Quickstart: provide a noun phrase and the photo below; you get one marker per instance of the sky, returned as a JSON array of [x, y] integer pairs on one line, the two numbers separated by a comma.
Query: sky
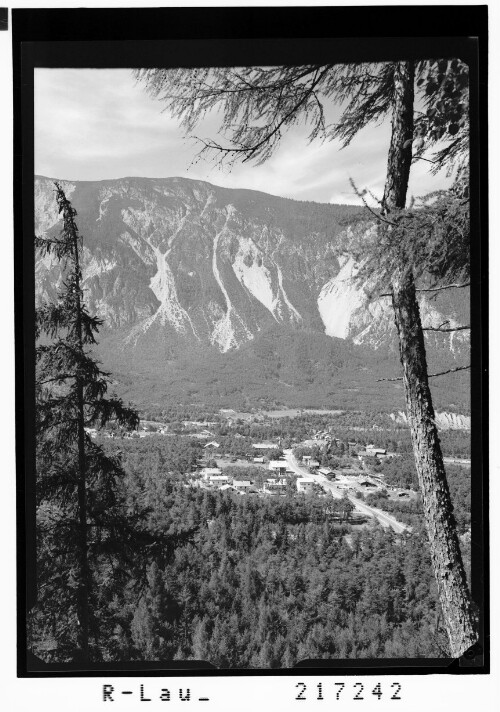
[[95, 124]]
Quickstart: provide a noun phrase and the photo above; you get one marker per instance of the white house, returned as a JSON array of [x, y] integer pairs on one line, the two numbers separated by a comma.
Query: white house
[[325, 471], [242, 485], [376, 450], [212, 443], [305, 484], [313, 464], [274, 486], [264, 446], [218, 480], [207, 472], [279, 466], [258, 459]]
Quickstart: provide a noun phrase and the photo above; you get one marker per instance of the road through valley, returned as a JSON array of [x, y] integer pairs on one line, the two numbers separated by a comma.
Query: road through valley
[[386, 520]]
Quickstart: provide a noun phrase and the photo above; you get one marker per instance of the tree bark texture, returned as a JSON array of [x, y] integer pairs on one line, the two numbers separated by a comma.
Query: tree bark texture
[[438, 509]]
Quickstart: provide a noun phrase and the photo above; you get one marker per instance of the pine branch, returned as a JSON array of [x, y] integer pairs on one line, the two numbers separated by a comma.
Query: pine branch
[[248, 86], [252, 150]]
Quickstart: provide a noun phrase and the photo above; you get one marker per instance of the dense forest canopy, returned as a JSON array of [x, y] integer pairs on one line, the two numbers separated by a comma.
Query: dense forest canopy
[[230, 593]]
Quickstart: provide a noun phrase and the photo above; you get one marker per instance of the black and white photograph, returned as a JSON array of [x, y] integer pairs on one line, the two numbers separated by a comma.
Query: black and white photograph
[[256, 365]]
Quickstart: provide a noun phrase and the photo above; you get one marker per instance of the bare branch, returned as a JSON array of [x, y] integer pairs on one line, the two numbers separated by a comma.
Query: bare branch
[[451, 370], [421, 158], [374, 197], [433, 289], [362, 198], [438, 328], [431, 375], [446, 286]]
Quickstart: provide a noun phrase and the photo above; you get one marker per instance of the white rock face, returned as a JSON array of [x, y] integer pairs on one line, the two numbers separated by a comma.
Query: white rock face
[[162, 284], [249, 268], [163, 287], [340, 300], [444, 421], [263, 279], [224, 333], [294, 314], [347, 312]]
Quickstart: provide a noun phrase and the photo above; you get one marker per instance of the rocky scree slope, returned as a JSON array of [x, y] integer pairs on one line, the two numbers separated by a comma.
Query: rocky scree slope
[[204, 265]]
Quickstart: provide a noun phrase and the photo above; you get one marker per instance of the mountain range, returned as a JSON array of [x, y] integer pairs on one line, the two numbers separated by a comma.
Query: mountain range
[[236, 297]]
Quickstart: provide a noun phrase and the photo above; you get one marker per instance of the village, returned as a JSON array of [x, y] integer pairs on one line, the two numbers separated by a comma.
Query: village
[[303, 472], [300, 474], [273, 468]]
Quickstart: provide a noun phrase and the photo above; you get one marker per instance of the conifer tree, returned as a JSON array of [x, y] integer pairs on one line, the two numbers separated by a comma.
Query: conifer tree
[[81, 520]]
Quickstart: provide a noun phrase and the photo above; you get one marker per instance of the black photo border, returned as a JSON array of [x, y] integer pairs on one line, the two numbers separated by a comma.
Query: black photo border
[[227, 36]]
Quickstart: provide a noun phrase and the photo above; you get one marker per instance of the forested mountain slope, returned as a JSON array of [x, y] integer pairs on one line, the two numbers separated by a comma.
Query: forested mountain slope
[[198, 284]]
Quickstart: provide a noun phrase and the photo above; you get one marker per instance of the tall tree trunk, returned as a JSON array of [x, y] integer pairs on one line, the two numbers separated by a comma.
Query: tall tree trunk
[[438, 510], [82, 545]]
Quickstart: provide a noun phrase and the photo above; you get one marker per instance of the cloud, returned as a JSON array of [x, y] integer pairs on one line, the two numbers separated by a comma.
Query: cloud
[[91, 118], [92, 124]]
